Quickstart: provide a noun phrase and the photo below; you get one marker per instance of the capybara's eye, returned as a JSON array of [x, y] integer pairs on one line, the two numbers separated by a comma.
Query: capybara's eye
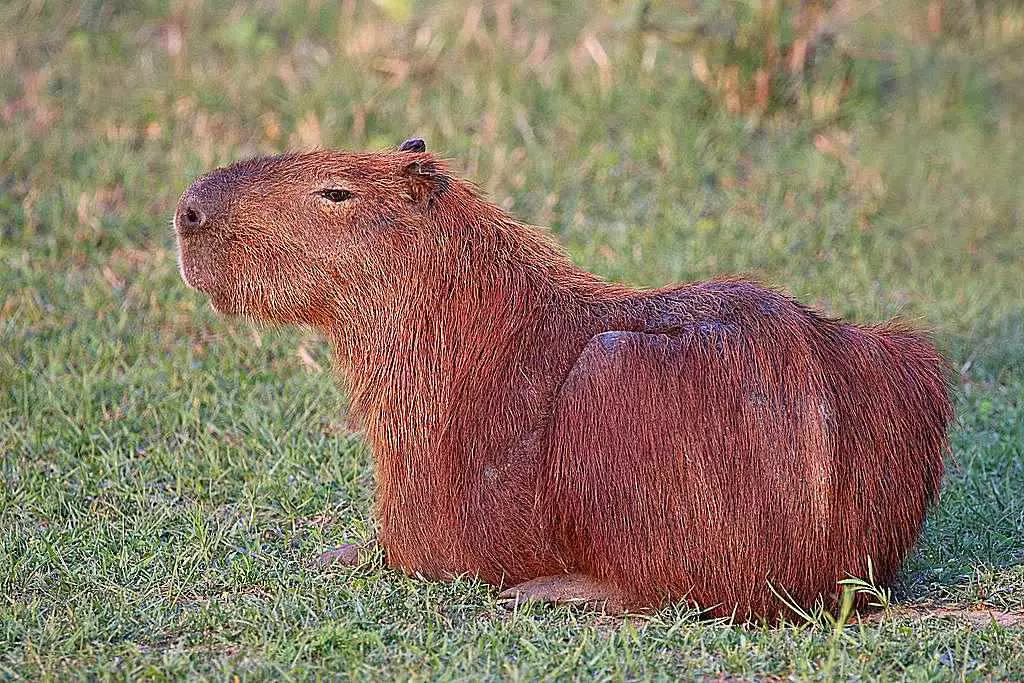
[[335, 195]]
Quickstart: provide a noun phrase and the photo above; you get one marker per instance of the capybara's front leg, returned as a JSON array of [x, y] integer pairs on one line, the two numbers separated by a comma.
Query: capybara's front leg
[[566, 588], [347, 555]]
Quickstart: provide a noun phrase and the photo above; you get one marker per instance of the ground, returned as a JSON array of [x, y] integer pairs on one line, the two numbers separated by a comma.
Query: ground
[[167, 477]]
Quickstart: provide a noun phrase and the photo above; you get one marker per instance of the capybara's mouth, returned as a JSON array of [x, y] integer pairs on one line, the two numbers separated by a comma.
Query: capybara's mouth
[[187, 269]]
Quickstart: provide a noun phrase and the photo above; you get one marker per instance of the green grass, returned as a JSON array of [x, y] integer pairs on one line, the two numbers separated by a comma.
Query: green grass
[[167, 477]]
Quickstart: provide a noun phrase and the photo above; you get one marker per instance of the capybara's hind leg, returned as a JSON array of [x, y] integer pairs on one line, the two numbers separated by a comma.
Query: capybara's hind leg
[[565, 588]]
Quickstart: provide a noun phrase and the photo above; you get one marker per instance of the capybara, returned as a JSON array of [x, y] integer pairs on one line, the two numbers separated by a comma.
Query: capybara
[[563, 437]]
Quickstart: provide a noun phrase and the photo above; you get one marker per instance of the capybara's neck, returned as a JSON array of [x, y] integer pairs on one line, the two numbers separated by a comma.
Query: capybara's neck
[[453, 378], [470, 298]]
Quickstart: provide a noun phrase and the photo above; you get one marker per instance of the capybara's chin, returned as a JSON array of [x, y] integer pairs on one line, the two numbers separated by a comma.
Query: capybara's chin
[[200, 268], [224, 299], [224, 305], [205, 282]]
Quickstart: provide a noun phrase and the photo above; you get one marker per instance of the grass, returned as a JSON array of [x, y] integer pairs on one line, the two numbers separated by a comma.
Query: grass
[[167, 477]]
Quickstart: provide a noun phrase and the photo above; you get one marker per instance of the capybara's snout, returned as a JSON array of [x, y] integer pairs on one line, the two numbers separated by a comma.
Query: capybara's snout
[[200, 220], [191, 215], [204, 203]]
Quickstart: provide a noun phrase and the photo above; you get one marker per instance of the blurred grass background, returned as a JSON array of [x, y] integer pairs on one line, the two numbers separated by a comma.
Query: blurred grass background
[[168, 474]]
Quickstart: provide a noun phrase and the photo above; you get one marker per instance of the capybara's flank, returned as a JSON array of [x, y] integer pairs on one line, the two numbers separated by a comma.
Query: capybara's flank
[[563, 437]]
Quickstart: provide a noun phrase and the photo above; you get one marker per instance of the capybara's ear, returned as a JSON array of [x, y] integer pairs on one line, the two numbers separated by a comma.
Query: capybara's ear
[[413, 145], [424, 180]]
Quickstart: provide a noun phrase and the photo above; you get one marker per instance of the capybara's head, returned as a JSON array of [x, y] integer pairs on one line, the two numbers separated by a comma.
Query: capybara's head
[[278, 238]]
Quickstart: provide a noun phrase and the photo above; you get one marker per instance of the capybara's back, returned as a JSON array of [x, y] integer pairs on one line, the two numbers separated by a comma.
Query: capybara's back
[[746, 450], [568, 438]]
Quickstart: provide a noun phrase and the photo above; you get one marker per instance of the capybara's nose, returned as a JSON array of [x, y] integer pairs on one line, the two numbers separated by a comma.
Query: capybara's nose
[[198, 208], [191, 217]]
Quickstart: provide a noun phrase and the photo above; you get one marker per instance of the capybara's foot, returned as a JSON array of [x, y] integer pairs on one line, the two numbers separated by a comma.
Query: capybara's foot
[[565, 588], [346, 555]]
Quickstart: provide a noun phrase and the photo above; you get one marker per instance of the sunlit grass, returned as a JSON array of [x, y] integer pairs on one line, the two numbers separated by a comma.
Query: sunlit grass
[[169, 476]]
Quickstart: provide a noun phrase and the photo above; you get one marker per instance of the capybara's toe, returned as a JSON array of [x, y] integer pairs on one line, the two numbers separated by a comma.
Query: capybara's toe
[[346, 555], [564, 588]]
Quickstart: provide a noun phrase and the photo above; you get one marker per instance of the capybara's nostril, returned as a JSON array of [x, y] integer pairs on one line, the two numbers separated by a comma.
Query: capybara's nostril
[[191, 215], [192, 218]]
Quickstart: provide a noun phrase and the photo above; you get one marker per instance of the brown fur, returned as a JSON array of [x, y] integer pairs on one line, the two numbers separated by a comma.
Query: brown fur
[[714, 441]]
